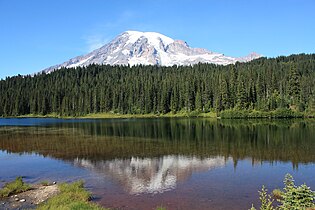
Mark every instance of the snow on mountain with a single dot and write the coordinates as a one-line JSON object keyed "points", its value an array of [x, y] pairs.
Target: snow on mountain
{"points": [[149, 48], [249, 57]]}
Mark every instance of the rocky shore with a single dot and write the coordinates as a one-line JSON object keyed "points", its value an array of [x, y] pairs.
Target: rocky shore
{"points": [[31, 198]]}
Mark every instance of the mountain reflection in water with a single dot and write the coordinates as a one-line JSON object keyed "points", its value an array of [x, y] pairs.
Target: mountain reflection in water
{"points": [[151, 175], [178, 163], [259, 140]]}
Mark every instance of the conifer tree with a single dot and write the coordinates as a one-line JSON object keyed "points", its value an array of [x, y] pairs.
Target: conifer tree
{"points": [[294, 85]]}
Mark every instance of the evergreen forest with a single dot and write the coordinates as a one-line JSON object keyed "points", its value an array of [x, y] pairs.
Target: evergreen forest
{"points": [[264, 84]]}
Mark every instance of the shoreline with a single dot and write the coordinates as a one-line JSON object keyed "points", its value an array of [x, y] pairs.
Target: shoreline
{"points": [[46, 195], [225, 114], [120, 116]]}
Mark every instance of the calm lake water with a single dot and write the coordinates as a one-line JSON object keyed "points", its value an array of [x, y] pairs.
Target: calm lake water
{"points": [[177, 163]]}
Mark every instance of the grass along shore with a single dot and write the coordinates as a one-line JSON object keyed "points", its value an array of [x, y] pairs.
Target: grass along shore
{"points": [[225, 114], [46, 195], [111, 115], [71, 196], [18, 194]]}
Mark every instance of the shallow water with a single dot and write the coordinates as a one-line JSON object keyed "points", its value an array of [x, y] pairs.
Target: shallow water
{"points": [[176, 163]]}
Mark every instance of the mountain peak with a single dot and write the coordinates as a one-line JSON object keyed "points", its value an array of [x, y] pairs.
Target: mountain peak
{"points": [[249, 57], [149, 48], [148, 35]]}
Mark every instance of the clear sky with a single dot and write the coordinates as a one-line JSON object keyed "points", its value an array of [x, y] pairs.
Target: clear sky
{"points": [[35, 34]]}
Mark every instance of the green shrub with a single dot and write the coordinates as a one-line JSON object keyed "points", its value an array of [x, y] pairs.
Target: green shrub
{"points": [[265, 199], [286, 113], [296, 197], [193, 113], [16, 186], [243, 114], [234, 114], [292, 197]]}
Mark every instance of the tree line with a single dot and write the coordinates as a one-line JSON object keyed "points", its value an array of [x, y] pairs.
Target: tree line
{"points": [[263, 84]]}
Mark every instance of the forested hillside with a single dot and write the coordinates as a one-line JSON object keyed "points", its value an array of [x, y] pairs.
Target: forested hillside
{"points": [[263, 84]]}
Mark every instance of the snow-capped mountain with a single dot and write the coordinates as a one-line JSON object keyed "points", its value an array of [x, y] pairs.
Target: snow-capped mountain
{"points": [[149, 48]]}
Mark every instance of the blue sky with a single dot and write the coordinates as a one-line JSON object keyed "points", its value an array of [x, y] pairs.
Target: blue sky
{"points": [[36, 34]]}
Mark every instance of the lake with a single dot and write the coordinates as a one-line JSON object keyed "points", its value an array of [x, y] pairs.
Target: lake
{"points": [[176, 163]]}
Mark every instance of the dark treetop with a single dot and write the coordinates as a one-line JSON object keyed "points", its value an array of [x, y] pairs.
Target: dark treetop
{"points": [[263, 84]]}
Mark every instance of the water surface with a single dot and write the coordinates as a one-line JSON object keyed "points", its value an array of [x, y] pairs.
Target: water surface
{"points": [[177, 163]]}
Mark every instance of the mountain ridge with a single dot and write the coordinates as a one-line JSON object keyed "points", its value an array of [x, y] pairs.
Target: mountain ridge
{"points": [[149, 48]]}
